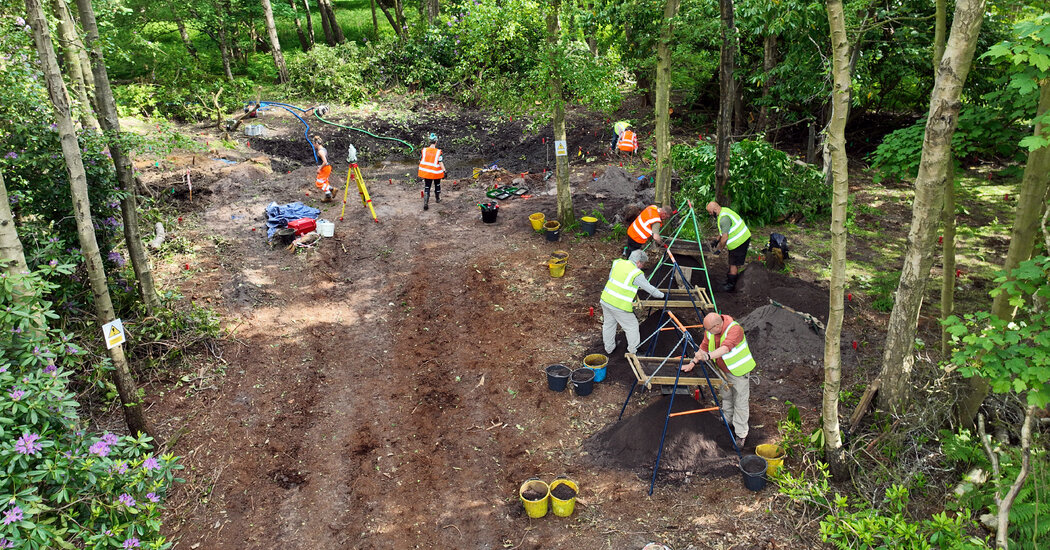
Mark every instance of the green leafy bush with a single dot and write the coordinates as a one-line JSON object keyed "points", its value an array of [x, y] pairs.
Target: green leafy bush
{"points": [[329, 72], [185, 100], [854, 524], [62, 486], [765, 184]]}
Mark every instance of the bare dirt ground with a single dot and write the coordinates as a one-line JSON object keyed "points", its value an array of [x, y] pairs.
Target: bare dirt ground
{"points": [[385, 389]]}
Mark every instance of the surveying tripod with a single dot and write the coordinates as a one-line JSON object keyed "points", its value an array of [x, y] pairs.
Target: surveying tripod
{"points": [[354, 173]]}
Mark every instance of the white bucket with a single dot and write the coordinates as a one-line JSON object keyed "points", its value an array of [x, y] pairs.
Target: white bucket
{"points": [[253, 130], [325, 228]]}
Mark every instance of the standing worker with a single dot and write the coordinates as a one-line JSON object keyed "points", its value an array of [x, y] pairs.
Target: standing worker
{"points": [[646, 225], [733, 236], [324, 171], [625, 278], [431, 170], [725, 344]]}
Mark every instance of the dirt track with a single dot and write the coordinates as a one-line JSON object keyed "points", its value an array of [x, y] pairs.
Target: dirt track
{"points": [[385, 390]]}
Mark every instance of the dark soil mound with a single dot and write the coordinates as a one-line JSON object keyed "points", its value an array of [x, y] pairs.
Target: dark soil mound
{"points": [[696, 444]]}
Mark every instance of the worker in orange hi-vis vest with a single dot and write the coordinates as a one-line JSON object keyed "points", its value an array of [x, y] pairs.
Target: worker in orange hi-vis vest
{"points": [[431, 170], [324, 171], [628, 141], [646, 225]]}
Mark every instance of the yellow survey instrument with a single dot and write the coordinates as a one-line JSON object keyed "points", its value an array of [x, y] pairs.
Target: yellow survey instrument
{"points": [[354, 173]]}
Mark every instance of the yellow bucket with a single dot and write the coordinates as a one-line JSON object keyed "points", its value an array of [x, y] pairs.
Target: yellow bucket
{"points": [[563, 508], [537, 221], [774, 456], [535, 508], [557, 267]]}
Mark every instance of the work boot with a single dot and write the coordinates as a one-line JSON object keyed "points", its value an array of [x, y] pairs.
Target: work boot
{"points": [[327, 196], [437, 196], [426, 200], [730, 283]]}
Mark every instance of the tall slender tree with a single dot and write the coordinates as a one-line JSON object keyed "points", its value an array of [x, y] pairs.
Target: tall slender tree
{"points": [[566, 214], [309, 22], [13, 259], [663, 86], [840, 96], [67, 33], [304, 41], [122, 379], [726, 99], [898, 358], [948, 211], [275, 42], [110, 121]]}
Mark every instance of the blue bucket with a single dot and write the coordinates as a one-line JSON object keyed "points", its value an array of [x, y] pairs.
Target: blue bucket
{"points": [[596, 362]]}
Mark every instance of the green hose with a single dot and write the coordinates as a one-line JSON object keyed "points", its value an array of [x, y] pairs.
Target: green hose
{"points": [[411, 149]]}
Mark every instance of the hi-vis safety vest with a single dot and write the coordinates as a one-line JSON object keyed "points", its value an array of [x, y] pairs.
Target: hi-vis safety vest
{"points": [[642, 227], [620, 290], [739, 360], [628, 141], [429, 167], [738, 232]]}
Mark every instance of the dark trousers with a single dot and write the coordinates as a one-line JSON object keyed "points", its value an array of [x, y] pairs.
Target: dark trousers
{"points": [[437, 185]]}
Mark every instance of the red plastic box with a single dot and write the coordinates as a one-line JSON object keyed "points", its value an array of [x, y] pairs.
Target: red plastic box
{"points": [[303, 226]]}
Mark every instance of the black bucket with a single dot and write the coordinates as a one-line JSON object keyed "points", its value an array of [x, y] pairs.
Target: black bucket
{"points": [[553, 229], [558, 377], [284, 236], [489, 211], [588, 224], [754, 470], [583, 381]]}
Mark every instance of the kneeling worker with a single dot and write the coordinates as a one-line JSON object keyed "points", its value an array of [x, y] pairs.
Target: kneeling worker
{"points": [[646, 225], [725, 344], [733, 236], [625, 278]]}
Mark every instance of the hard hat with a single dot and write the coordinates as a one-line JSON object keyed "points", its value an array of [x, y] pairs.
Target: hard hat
{"points": [[433, 136]]}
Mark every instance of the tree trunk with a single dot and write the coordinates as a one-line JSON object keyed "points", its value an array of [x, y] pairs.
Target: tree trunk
{"points": [[948, 211], [125, 384], [398, 31], [769, 62], [337, 31], [13, 262], [433, 10], [840, 193], [275, 43], [898, 357], [1030, 204], [67, 33], [663, 86], [375, 20], [309, 22], [304, 42], [185, 36], [110, 120], [566, 215], [224, 50], [726, 96], [326, 24]]}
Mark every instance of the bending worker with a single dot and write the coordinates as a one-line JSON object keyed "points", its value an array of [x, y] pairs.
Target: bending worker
{"points": [[627, 141], [324, 171], [625, 278], [431, 170], [733, 236], [646, 225], [725, 344]]}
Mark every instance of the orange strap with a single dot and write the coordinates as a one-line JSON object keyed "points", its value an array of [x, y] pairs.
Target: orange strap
{"points": [[694, 411]]}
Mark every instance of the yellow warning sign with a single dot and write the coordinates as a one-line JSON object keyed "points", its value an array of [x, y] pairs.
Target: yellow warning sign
{"points": [[113, 333], [560, 149]]}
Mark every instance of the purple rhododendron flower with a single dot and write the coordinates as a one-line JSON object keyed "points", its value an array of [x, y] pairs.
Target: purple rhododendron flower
{"points": [[122, 468], [4, 543], [150, 464], [20, 22], [110, 439], [12, 515], [153, 497], [11, 155], [100, 448], [116, 258], [16, 395], [126, 500], [27, 444], [131, 543]]}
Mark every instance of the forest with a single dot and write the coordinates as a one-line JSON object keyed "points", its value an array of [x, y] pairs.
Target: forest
{"points": [[170, 367]]}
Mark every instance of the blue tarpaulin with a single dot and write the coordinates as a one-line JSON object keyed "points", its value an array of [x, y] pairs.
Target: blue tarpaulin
{"points": [[278, 215]]}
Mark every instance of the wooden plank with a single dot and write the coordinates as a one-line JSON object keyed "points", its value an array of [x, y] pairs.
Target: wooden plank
{"points": [[686, 379], [862, 407]]}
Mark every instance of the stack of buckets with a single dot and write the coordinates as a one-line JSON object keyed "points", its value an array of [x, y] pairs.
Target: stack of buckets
{"points": [[557, 263], [540, 494]]}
